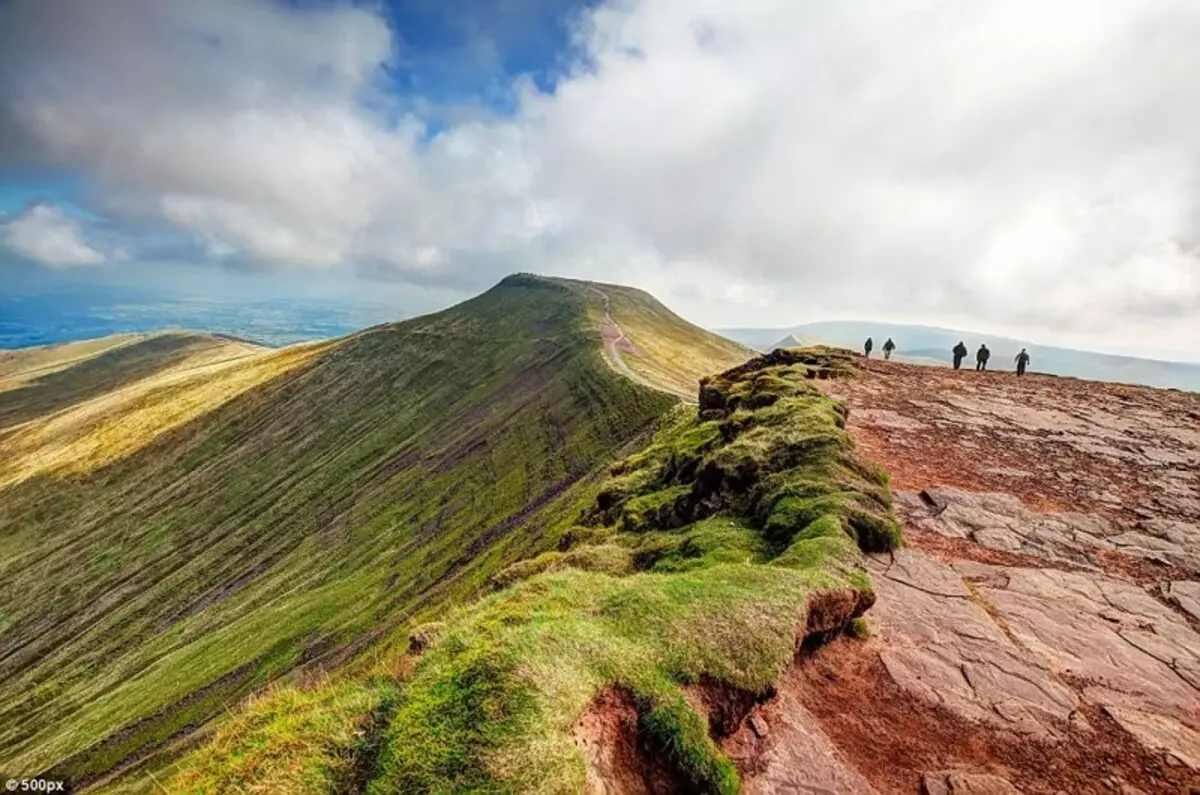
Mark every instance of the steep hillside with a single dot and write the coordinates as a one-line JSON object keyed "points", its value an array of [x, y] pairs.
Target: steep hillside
{"points": [[75, 407], [180, 524]]}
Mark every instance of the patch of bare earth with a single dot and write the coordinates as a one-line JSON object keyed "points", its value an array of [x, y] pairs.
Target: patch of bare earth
{"points": [[894, 739], [618, 762], [1057, 444]]}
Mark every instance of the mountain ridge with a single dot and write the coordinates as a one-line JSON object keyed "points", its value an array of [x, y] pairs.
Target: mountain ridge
{"points": [[921, 344], [282, 525]]}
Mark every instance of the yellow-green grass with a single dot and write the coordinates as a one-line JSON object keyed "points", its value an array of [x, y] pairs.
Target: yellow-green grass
{"points": [[97, 411], [38, 382], [223, 532], [25, 364]]}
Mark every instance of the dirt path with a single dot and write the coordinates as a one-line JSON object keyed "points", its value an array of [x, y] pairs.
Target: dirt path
{"points": [[614, 337]]}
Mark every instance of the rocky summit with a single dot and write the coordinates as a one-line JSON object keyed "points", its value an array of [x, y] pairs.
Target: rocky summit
{"points": [[1039, 631]]}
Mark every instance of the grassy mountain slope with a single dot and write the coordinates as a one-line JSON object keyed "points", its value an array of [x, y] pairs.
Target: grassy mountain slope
{"points": [[307, 500], [703, 563], [73, 415], [39, 381], [17, 366]]}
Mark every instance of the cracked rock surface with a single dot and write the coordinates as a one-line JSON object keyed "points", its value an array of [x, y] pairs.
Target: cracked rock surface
{"points": [[941, 645], [1051, 586], [1001, 522]]}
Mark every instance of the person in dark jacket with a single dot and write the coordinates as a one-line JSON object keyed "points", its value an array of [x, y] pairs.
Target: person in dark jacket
{"points": [[981, 357], [1022, 361], [888, 347], [867, 346], [960, 353]]}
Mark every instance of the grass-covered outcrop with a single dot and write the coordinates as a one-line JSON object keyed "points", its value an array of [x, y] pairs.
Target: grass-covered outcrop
{"points": [[706, 560]]}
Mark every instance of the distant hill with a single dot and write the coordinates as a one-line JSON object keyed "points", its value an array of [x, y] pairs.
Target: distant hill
{"points": [[798, 340], [931, 345]]}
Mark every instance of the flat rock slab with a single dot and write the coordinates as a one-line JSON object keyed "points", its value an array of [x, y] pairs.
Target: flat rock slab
{"points": [[941, 645], [1004, 649], [919, 571], [1133, 650], [1184, 595], [1001, 522], [1161, 733]]}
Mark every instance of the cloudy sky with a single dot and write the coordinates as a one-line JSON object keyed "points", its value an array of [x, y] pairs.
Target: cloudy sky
{"points": [[1015, 166]]}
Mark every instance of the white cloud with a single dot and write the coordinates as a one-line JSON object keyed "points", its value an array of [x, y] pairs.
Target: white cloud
{"points": [[1025, 166], [45, 234]]}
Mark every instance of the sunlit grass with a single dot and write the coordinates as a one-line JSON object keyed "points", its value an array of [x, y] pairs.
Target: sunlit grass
{"points": [[120, 421]]}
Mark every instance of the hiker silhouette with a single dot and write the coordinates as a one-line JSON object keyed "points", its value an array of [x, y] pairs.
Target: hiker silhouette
{"points": [[960, 353], [981, 357], [1022, 360]]}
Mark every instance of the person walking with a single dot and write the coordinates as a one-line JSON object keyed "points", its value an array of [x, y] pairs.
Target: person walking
{"points": [[1022, 361], [867, 346], [960, 353], [888, 347], [981, 358]]}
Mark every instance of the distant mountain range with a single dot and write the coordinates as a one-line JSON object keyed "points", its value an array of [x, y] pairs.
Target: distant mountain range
{"points": [[931, 345]]}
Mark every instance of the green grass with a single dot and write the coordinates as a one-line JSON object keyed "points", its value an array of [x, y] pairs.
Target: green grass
{"points": [[290, 741], [388, 474]]}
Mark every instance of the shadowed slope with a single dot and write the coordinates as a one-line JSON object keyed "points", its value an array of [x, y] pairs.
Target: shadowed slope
{"points": [[385, 473], [23, 364], [96, 410]]}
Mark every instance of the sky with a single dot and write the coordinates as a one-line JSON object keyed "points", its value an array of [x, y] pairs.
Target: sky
{"points": [[1019, 167]]}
